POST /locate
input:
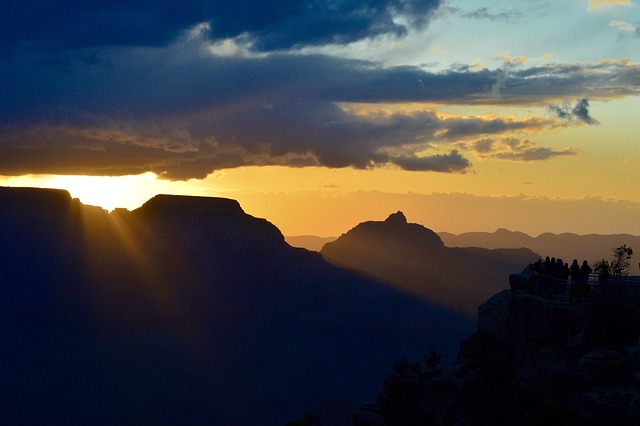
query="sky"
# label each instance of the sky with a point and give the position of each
(467, 115)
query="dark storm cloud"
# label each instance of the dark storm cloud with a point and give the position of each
(183, 77)
(129, 102)
(268, 24)
(182, 112)
(254, 133)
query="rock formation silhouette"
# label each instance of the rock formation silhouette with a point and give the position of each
(531, 361)
(414, 259)
(186, 311)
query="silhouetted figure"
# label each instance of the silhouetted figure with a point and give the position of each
(574, 271)
(540, 283)
(585, 270)
(560, 271)
(580, 288)
(559, 282)
(538, 267)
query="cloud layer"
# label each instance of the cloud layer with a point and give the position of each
(119, 88)
(267, 24)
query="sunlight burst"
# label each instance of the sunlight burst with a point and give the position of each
(107, 192)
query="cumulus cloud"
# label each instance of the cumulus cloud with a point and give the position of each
(503, 74)
(514, 149)
(483, 146)
(595, 4)
(625, 28)
(579, 113)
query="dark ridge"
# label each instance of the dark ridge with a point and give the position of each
(174, 205)
(394, 230)
(33, 198)
(188, 311)
(413, 258)
(567, 246)
(203, 222)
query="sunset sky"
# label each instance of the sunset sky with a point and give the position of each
(465, 114)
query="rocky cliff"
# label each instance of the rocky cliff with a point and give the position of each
(554, 342)
(531, 361)
(186, 311)
(414, 259)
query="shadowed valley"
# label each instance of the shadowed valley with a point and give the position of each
(187, 311)
(415, 260)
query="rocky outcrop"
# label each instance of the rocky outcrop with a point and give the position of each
(397, 218)
(186, 311)
(604, 366)
(531, 361)
(540, 321)
(612, 405)
(205, 223)
(394, 233)
(549, 345)
(494, 317)
(414, 258)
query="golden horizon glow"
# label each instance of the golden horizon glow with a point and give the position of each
(328, 202)
(109, 192)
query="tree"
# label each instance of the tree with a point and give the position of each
(432, 360)
(310, 419)
(602, 268)
(621, 261)
(403, 401)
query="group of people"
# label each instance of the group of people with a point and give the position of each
(550, 279)
(559, 270)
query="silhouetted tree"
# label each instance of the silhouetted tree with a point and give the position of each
(432, 360)
(402, 401)
(617, 266)
(310, 419)
(603, 269)
(621, 261)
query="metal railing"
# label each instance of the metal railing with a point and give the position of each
(554, 288)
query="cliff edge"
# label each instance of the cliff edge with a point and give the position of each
(531, 361)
